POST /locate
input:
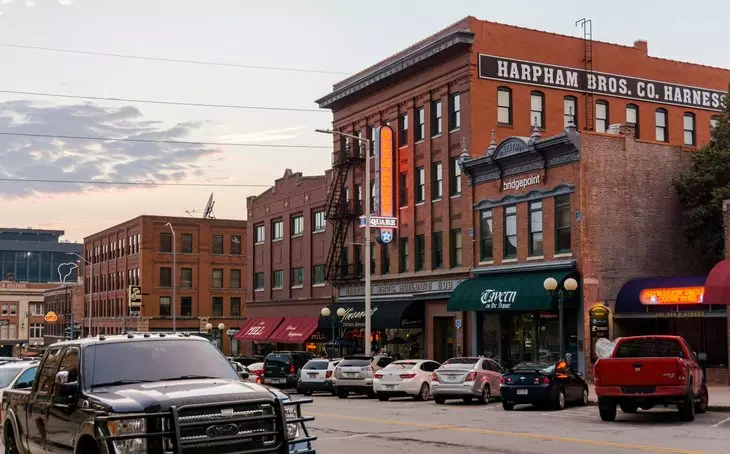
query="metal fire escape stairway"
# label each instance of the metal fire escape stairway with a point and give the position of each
(588, 68)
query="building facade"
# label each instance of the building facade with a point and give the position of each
(32, 255)
(67, 302)
(21, 316)
(478, 95)
(210, 256)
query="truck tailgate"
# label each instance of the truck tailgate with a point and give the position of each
(640, 372)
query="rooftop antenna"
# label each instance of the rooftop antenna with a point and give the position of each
(208, 213)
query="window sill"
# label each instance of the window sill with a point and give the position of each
(420, 204)
(276, 240)
(318, 285)
(506, 125)
(296, 287)
(436, 200)
(419, 141)
(456, 196)
(258, 290)
(563, 254)
(314, 232)
(436, 136)
(536, 257)
(514, 260)
(259, 244)
(277, 288)
(451, 131)
(298, 235)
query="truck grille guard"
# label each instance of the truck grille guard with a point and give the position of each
(261, 428)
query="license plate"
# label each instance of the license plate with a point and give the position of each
(350, 374)
(452, 377)
(390, 387)
(312, 375)
(274, 380)
(521, 392)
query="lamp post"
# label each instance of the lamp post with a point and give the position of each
(174, 279)
(231, 333)
(91, 283)
(219, 335)
(67, 309)
(368, 208)
(325, 312)
(569, 286)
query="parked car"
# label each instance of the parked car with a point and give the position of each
(240, 369)
(355, 374)
(317, 376)
(247, 360)
(645, 371)
(410, 377)
(96, 396)
(543, 383)
(17, 375)
(256, 372)
(281, 369)
(466, 378)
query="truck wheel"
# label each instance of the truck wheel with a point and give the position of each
(629, 407)
(687, 409)
(342, 394)
(701, 406)
(10, 446)
(607, 410)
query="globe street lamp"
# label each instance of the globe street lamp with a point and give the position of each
(219, 335)
(325, 312)
(569, 286)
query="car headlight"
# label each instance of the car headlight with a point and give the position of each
(128, 427)
(291, 412)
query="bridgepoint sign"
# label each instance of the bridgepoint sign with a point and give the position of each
(521, 183)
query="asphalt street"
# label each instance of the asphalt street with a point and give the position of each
(403, 426)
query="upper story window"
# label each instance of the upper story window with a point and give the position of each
(562, 224)
(454, 111)
(537, 109)
(278, 228)
(504, 106)
(662, 131)
(420, 184)
(297, 225)
(403, 130)
(258, 281)
(235, 245)
(402, 189)
(165, 242)
(689, 129)
(437, 250)
(420, 131)
(297, 277)
(420, 252)
(632, 117)
(319, 221)
(437, 180)
(187, 243)
(259, 235)
(486, 243)
(570, 110)
(455, 177)
(372, 135)
(436, 115)
(536, 236)
(218, 244)
(601, 116)
(510, 231)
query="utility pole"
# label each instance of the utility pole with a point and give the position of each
(174, 279)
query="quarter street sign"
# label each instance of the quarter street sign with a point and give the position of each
(379, 222)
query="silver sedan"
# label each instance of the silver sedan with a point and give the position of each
(466, 378)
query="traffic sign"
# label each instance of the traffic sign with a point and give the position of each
(379, 222)
(51, 317)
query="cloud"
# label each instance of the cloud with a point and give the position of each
(71, 159)
(66, 2)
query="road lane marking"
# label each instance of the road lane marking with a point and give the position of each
(344, 437)
(721, 422)
(527, 435)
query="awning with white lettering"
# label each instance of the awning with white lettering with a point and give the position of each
(384, 315)
(258, 328)
(295, 330)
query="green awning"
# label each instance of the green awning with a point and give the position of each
(522, 292)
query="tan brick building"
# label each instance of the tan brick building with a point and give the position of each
(21, 315)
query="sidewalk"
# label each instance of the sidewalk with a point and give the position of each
(719, 397)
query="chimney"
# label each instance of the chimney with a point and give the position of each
(642, 45)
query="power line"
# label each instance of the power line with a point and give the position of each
(130, 183)
(168, 142)
(172, 60)
(171, 103)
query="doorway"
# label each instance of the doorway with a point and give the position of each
(443, 338)
(521, 343)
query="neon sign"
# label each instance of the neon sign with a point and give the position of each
(386, 162)
(677, 295)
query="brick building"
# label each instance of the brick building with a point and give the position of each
(481, 90)
(211, 265)
(21, 315)
(67, 302)
(717, 287)
(288, 242)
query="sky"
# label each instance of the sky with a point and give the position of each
(337, 37)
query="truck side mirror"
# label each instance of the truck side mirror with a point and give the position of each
(243, 374)
(65, 388)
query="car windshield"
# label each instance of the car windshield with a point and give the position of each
(401, 365)
(278, 358)
(544, 367)
(316, 365)
(461, 361)
(354, 363)
(649, 348)
(153, 360)
(7, 374)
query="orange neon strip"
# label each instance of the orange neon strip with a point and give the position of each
(678, 295)
(386, 171)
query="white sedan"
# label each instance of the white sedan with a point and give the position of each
(410, 377)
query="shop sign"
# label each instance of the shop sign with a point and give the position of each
(598, 325)
(385, 181)
(134, 296)
(354, 317)
(257, 330)
(678, 295)
(496, 299)
(574, 79)
(403, 287)
(13, 285)
(51, 317)
(4, 322)
(692, 314)
(457, 323)
(521, 183)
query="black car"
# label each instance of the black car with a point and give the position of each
(543, 383)
(281, 369)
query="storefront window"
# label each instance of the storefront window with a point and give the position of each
(562, 224)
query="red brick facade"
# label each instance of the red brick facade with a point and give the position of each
(67, 303)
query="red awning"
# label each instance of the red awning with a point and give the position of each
(717, 285)
(295, 330)
(258, 328)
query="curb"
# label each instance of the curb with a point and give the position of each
(715, 408)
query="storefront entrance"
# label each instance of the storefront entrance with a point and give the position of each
(443, 338)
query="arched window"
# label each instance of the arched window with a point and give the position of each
(504, 105)
(662, 125)
(570, 110)
(601, 116)
(537, 109)
(689, 129)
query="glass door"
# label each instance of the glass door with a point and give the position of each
(521, 341)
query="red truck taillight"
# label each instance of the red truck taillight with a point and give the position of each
(681, 370)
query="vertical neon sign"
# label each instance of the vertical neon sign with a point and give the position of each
(386, 183)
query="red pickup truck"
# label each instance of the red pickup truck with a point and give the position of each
(646, 371)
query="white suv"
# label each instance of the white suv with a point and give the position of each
(355, 374)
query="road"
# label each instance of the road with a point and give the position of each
(403, 426)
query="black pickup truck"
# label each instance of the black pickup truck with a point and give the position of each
(148, 393)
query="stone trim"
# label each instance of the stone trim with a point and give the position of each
(531, 196)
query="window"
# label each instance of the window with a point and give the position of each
(714, 121)
(420, 184)
(218, 278)
(632, 117)
(358, 259)
(318, 275)
(3, 332)
(384, 258)
(420, 252)
(13, 309)
(455, 180)
(562, 224)
(258, 281)
(420, 131)
(358, 199)
(47, 374)
(373, 135)
(36, 330)
(601, 116)
(235, 306)
(165, 310)
(510, 231)
(165, 242)
(278, 230)
(297, 277)
(661, 125)
(537, 109)
(186, 306)
(13, 332)
(235, 245)
(187, 243)
(504, 106)
(217, 306)
(536, 238)
(454, 111)
(187, 277)
(235, 279)
(689, 129)
(570, 110)
(403, 189)
(372, 195)
(437, 180)
(218, 244)
(278, 279)
(403, 130)
(437, 250)
(260, 236)
(435, 118)
(319, 221)
(344, 262)
(455, 248)
(165, 277)
(297, 225)
(403, 255)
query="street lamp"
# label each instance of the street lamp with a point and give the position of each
(367, 228)
(325, 312)
(91, 283)
(174, 279)
(569, 286)
(68, 311)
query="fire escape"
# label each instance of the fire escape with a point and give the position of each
(342, 213)
(588, 68)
